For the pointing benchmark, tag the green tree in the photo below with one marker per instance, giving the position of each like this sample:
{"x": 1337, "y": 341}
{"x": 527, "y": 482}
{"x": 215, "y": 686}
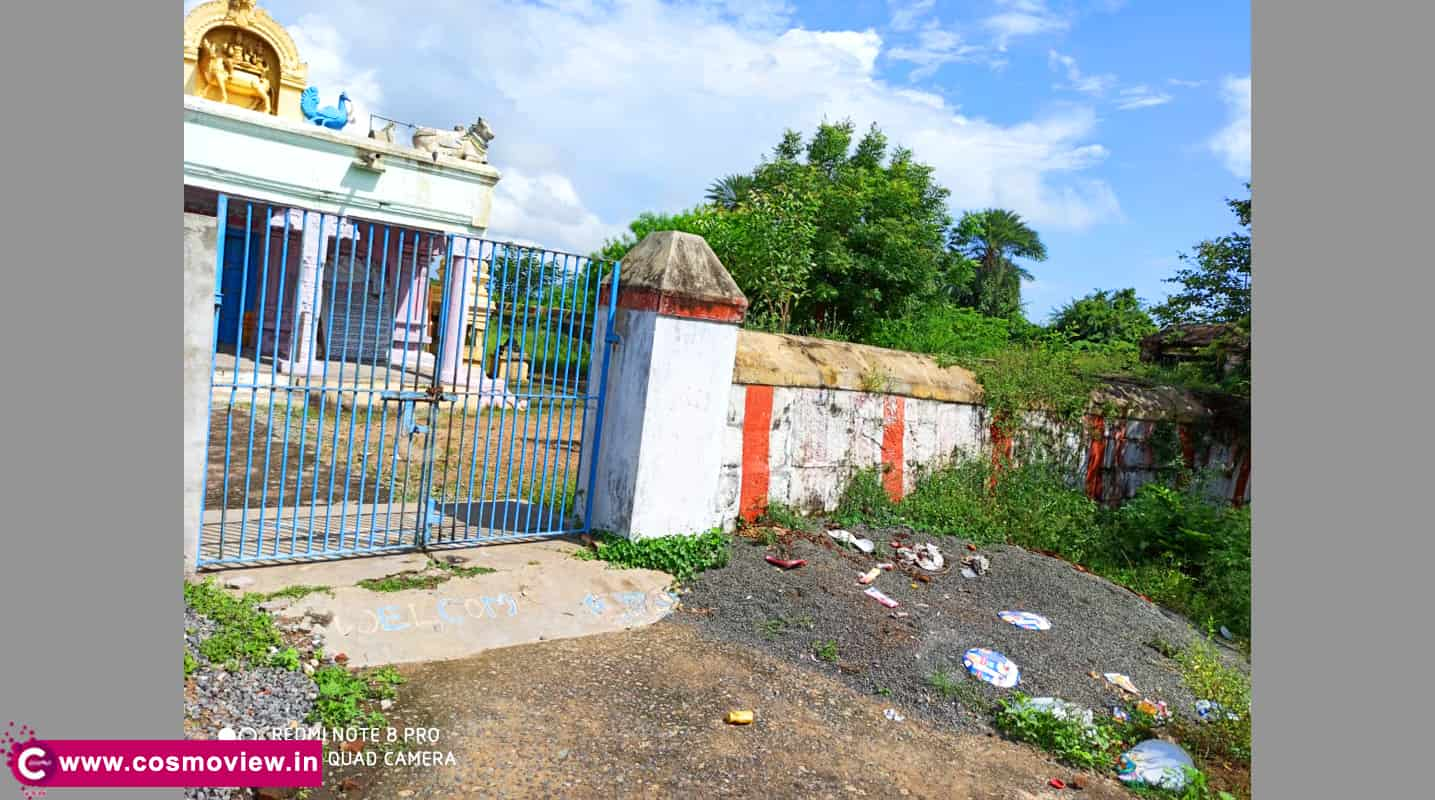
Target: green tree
{"x": 827, "y": 232}
{"x": 1103, "y": 317}
{"x": 1216, "y": 284}
{"x": 728, "y": 192}
{"x": 992, "y": 239}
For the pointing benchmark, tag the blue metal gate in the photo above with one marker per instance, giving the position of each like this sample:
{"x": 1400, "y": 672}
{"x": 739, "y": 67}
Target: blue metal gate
{"x": 376, "y": 388}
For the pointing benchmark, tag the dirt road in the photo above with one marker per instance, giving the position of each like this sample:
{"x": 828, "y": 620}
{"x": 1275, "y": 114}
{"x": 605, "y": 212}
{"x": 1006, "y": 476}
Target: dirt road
{"x": 639, "y": 714}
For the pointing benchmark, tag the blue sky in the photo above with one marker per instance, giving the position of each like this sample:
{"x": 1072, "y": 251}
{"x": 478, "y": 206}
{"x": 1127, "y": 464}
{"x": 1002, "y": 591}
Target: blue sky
{"x": 1116, "y": 127}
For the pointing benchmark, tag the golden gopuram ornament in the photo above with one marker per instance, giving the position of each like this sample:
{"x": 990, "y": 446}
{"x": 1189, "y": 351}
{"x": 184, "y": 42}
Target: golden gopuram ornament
{"x": 235, "y": 53}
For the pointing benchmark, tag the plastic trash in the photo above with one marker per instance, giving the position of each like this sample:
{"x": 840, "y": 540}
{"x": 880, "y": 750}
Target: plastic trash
{"x": 786, "y": 563}
{"x": 739, "y": 718}
{"x": 877, "y": 595}
{"x": 992, "y": 667}
{"x": 846, "y": 537}
{"x": 1060, "y": 709}
{"x": 869, "y": 576}
{"x": 892, "y": 714}
{"x": 967, "y": 572}
{"x": 926, "y": 556}
{"x": 1120, "y": 714}
{"x": 1156, "y": 763}
{"x": 1056, "y": 783}
{"x": 1226, "y": 633}
{"x": 1122, "y": 682}
{"x": 978, "y": 564}
{"x": 1157, "y": 709}
{"x": 1208, "y": 711}
{"x": 1026, "y": 620}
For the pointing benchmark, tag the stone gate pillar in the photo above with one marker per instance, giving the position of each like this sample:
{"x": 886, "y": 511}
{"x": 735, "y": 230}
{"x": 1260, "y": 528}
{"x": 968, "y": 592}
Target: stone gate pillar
{"x": 658, "y": 463}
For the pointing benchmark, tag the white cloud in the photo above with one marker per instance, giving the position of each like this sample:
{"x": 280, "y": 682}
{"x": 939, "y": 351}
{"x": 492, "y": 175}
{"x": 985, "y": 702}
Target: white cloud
{"x": 1023, "y": 18}
{"x": 608, "y": 108}
{"x": 906, "y": 13}
{"x": 935, "y": 47}
{"x": 1185, "y": 84}
{"x": 1095, "y": 85}
{"x": 1141, "y": 96}
{"x": 1233, "y": 142}
{"x": 543, "y": 209}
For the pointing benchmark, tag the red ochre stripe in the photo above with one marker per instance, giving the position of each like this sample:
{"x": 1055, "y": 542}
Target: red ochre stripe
{"x": 756, "y": 426}
{"x": 1095, "y": 455}
{"x": 894, "y": 415}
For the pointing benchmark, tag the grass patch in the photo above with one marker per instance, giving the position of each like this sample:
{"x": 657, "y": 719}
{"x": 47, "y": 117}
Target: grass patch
{"x": 190, "y": 665}
{"x": 784, "y": 516}
{"x": 462, "y": 572}
{"x": 403, "y": 581}
{"x": 344, "y": 696}
{"x": 865, "y": 500}
{"x": 683, "y": 557}
{"x": 297, "y": 592}
{"x": 826, "y": 651}
{"x": 1092, "y": 746}
{"x": 244, "y": 635}
{"x": 956, "y": 686}
{"x": 1208, "y": 678}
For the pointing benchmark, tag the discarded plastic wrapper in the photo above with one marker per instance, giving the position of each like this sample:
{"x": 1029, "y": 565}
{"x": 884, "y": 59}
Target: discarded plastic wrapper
{"x": 892, "y": 714}
{"x": 1208, "y": 710}
{"x": 871, "y": 575}
{"x": 1122, "y": 682}
{"x": 1120, "y": 713}
{"x": 1155, "y": 763}
{"x": 873, "y": 593}
{"x": 846, "y": 537}
{"x": 978, "y": 564}
{"x": 1025, "y": 620}
{"x": 926, "y": 556}
{"x": 886, "y": 566}
{"x": 992, "y": 667}
{"x": 1060, "y": 709}
{"x": 967, "y": 572}
{"x": 786, "y": 563}
{"x": 739, "y": 717}
{"x": 1157, "y": 710}
{"x": 1057, "y": 783}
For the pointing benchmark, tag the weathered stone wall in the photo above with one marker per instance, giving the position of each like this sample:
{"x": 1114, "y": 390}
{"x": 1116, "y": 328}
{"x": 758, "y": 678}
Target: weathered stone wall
{"x": 805, "y": 414}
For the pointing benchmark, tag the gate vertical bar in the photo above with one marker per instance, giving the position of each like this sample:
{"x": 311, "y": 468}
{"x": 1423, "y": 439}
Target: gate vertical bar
{"x": 609, "y": 339}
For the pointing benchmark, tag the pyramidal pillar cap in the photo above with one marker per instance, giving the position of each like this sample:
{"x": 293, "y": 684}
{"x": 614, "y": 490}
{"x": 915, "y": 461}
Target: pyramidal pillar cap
{"x": 677, "y": 274}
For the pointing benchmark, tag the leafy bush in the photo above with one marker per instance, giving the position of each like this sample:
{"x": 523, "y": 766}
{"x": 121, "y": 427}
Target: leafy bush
{"x": 1189, "y": 547}
{"x": 1104, "y": 318}
{"x": 1071, "y": 740}
{"x": 1209, "y": 678}
{"x": 243, "y": 635}
{"x": 680, "y": 556}
{"x": 945, "y": 330}
{"x": 343, "y": 695}
{"x": 1181, "y": 548}
{"x": 864, "y": 500}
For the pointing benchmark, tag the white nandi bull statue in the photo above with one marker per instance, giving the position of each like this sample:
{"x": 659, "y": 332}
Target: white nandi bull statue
{"x": 469, "y": 144}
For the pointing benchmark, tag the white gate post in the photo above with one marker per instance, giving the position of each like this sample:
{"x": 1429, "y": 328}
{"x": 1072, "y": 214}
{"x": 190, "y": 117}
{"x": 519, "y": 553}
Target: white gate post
{"x": 669, "y": 378}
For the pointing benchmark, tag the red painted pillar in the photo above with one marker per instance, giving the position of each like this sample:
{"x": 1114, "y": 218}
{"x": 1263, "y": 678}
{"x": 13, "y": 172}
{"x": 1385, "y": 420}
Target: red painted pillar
{"x": 756, "y": 428}
{"x": 894, "y": 429}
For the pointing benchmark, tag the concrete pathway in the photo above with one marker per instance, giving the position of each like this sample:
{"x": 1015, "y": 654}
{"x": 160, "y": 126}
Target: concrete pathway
{"x": 538, "y": 591}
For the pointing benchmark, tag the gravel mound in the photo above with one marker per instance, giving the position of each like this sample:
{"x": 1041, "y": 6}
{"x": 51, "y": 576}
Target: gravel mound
{"x": 1096, "y": 626}
{"x": 214, "y": 698}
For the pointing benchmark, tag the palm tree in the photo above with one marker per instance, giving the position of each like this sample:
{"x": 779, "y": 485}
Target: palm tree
{"x": 992, "y": 238}
{"x": 729, "y": 192}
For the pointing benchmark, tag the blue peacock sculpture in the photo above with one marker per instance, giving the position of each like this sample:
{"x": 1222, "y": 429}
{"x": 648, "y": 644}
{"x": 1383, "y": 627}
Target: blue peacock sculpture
{"x": 333, "y": 117}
